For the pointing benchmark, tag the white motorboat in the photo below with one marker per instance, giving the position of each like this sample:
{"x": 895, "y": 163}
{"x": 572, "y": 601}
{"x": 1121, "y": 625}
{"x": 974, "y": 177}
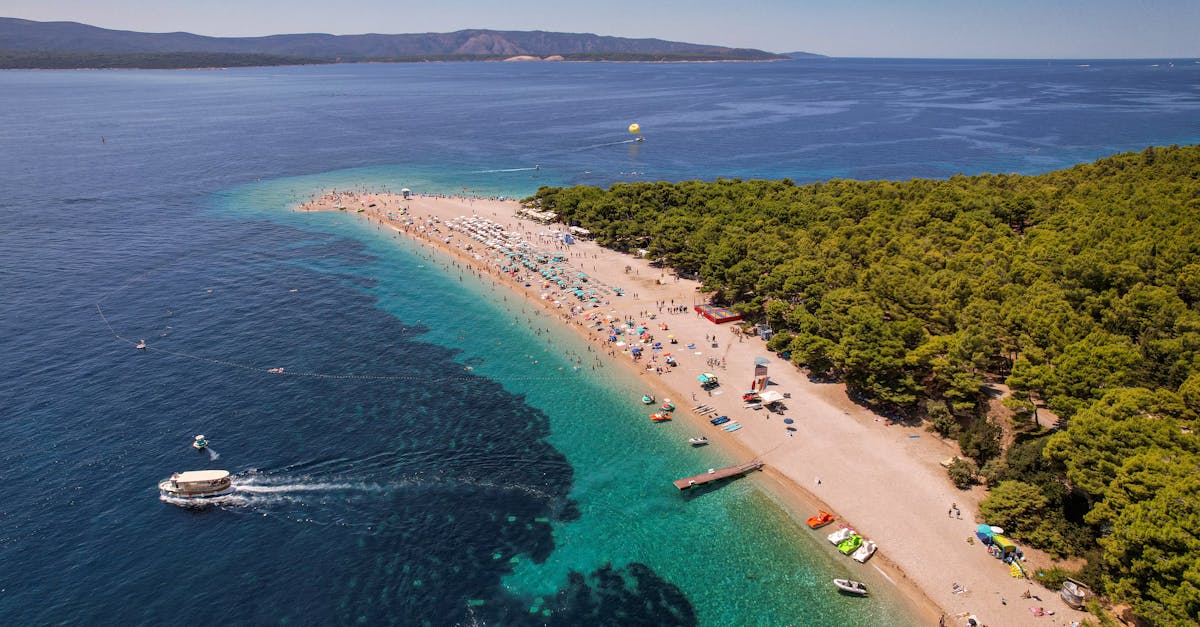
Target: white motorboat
{"x": 864, "y": 552}
{"x": 700, "y": 441}
{"x": 200, "y": 443}
{"x": 850, "y": 586}
{"x": 141, "y": 345}
{"x": 196, "y": 484}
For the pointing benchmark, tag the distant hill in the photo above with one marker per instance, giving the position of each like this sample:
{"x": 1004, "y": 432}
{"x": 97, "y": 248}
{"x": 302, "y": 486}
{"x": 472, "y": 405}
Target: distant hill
{"x": 25, "y": 36}
{"x": 804, "y": 55}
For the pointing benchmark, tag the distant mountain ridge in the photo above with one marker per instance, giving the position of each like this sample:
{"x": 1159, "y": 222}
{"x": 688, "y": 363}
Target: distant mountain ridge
{"x": 20, "y": 35}
{"x": 804, "y": 55}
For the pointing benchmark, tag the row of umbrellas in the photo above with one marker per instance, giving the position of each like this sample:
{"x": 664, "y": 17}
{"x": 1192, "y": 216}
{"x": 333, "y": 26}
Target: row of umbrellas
{"x": 521, "y": 254}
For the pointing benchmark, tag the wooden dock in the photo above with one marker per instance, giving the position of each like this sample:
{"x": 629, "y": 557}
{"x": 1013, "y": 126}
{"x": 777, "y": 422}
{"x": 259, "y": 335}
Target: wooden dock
{"x": 717, "y": 474}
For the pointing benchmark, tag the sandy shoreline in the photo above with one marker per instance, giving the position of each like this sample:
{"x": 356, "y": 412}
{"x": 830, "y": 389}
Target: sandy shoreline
{"x": 884, "y": 480}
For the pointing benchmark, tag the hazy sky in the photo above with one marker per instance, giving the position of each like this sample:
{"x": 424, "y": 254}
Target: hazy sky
{"x": 860, "y": 28}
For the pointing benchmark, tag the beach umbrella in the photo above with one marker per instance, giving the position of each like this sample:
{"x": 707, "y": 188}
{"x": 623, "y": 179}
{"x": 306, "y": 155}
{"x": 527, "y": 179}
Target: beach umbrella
{"x": 985, "y": 530}
{"x": 761, "y": 361}
{"x": 788, "y": 421}
{"x": 996, "y": 530}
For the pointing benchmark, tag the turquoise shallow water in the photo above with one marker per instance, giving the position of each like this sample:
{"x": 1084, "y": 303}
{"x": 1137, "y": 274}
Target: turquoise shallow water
{"x": 734, "y": 552}
{"x": 404, "y": 488}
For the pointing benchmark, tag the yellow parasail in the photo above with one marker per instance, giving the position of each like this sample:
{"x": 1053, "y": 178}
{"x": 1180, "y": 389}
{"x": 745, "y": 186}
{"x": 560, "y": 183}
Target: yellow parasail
{"x": 635, "y": 128}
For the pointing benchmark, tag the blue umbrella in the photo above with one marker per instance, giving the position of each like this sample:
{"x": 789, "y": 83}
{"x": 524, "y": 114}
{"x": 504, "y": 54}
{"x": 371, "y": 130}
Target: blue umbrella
{"x": 788, "y": 421}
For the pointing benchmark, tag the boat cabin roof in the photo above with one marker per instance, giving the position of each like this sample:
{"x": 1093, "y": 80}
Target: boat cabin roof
{"x": 201, "y": 475}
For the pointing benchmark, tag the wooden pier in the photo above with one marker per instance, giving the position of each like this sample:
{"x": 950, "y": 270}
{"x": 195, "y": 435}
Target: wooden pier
{"x": 717, "y": 474}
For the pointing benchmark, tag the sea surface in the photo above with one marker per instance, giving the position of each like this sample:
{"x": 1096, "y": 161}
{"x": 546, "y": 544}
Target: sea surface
{"x": 434, "y": 454}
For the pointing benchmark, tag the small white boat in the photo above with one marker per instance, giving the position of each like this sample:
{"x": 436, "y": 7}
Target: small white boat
{"x": 196, "y": 484}
{"x": 141, "y": 345}
{"x": 850, "y": 586}
{"x": 840, "y": 535}
{"x": 200, "y": 443}
{"x": 647, "y": 399}
{"x": 864, "y": 552}
{"x": 700, "y": 441}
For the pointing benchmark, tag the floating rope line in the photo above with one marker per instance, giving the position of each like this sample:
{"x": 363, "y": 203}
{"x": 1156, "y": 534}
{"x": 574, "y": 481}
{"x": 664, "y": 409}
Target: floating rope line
{"x": 318, "y": 375}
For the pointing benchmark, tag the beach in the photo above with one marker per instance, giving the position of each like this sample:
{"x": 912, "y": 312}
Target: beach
{"x": 880, "y": 478}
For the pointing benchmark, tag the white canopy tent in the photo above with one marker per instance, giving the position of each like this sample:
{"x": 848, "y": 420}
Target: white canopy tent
{"x": 770, "y": 397}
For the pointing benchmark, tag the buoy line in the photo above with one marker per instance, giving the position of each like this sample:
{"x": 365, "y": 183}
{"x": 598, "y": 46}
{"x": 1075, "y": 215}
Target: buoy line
{"x": 317, "y": 375}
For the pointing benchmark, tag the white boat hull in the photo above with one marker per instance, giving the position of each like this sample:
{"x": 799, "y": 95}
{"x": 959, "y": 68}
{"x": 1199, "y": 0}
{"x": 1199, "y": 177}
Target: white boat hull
{"x": 164, "y": 489}
{"x": 202, "y": 484}
{"x": 850, "y": 587}
{"x": 838, "y": 536}
{"x": 864, "y": 552}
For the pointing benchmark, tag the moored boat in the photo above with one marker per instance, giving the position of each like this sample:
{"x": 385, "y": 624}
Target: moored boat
{"x": 838, "y": 536}
{"x": 850, "y": 586}
{"x": 700, "y": 441}
{"x": 196, "y": 484}
{"x": 820, "y": 520}
{"x": 647, "y": 399}
{"x": 200, "y": 443}
{"x": 660, "y": 417}
{"x": 850, "y": 545}
{"x": 864, "y": 552}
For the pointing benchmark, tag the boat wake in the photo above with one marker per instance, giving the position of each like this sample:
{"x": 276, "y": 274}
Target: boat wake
{"x": 212, "y": 455}
{"x": 297, "y": 488}
{"x": 228, "y": 499}
{"x": 594, "y": 146}
{"x": 331, "y": 501}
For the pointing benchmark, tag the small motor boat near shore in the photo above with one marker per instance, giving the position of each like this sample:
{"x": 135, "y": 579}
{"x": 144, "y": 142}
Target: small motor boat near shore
{"x": 196, "y": 484}
{"x": 660, "y": 417}
{"x": 647, "y": 399}
{"x": 850, "y": 586}
{"x": 200, "y": 443}
{"x": 700, "y": 441}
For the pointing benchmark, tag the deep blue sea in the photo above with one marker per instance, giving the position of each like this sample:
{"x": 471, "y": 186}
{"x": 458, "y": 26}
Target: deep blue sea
{"x": 445, "y": 464}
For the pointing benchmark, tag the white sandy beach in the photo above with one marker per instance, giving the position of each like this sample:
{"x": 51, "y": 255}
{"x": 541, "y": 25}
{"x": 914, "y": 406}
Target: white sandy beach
{"x": 883, "y": 480}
